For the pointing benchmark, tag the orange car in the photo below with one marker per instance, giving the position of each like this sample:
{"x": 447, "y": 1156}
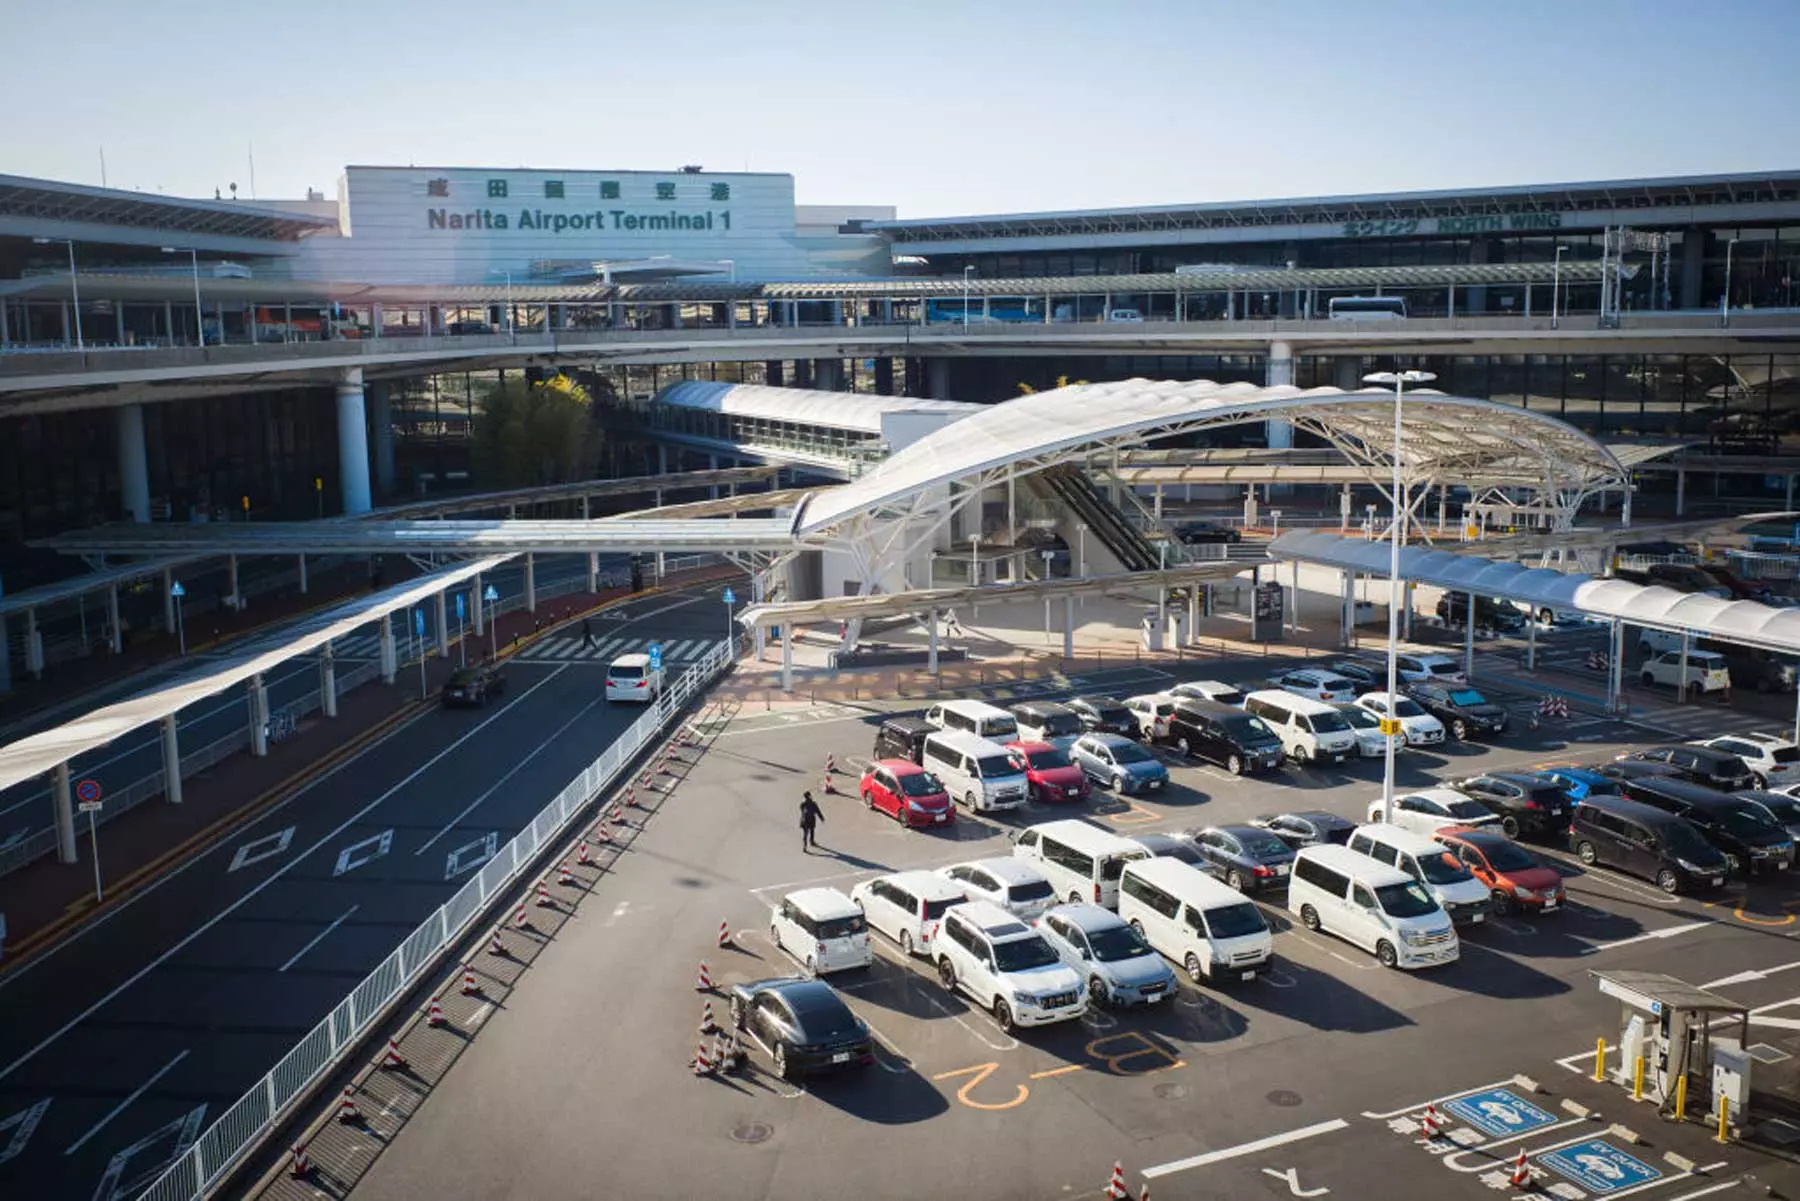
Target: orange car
{"x": 1514, "y": 877}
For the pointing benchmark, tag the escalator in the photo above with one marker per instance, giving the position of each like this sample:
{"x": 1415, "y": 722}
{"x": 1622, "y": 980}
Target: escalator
{"x": 1102, "y": 518}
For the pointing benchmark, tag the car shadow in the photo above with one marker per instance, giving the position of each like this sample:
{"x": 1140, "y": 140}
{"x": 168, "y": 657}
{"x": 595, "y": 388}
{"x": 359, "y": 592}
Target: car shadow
{"x": 1484, "y": 970}
{"x": 881, "y": 1096}
{"x": 1318, "y": 999}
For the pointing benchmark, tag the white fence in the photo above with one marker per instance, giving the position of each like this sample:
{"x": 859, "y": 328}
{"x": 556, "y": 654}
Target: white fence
{"x": 243, "y": 1126}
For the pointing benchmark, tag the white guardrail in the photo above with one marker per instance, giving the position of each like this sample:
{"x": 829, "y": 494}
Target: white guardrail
{"x": 243, "y": 1125}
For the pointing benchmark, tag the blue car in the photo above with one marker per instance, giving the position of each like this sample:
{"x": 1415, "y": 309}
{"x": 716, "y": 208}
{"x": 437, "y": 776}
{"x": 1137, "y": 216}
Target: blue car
{"x": 1579, "y": 783}
{"x": 1117, "y": 762}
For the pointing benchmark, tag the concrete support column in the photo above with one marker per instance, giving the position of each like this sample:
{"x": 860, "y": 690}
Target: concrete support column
{"x": 662, "y": 460}
{"x": 328, "y": 681}
{"x": 62, "y": 802}
{"x": 231, "y": 581}
{"x": 257, "y": 693}
{"x": 884, "y": 366}
{"x": 937, "y": 378}
{"x": 1693, "y": 265}
{"x": 34, "y": 646}
{"x": 302, "y": 575}
{"x": 389, "y": 661}
{"x": 1680, "y": 491}
{"x": 530, "y": 583}
{"x": 1469, "y": 640}
{"x": 1280, "y": 373}
{"x": 1531, "y": 643}
{"x": 787, "y": 656}
{"x": 1406, "y": 615}
{"x": 134, "y": 465}
{"x": 171, "y": 757}
{"x": 931, "y": 651}
{"x": 115, "y": 640}
{"x": 443, "y": 625}
{"x": 168, "y": 599}
{"x": 593, "y": 584}
{"x": 381, "y": 425}
{"x": 353, "y": 441}
{"x": 479, "y": 606}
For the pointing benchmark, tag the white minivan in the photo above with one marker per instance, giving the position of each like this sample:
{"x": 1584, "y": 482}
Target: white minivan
{"x": 908, "y": 907}
{"x": 1083, "y": 862}
{"x": 823, "y": 929}
{"x": 975, "y": 717}
{"x": 1378, "y": 908}
{"x": 1429, "y": 862}
{"x": 1209, "y": 928}
{"x": 631, "y": 678}
{"x": 1310, "y": 731}
{"x": 975, "y": 772}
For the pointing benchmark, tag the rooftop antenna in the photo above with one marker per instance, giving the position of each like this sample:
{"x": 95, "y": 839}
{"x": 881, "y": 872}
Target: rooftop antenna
{"x": 252, "y": 153}
{"x": 103, "y": 166}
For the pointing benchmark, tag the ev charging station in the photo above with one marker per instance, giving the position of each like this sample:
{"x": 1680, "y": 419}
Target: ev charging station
{"x": 1666, "y": 1033}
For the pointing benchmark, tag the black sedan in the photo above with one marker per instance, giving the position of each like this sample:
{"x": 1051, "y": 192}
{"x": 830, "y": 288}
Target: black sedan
{"x": 802, "y": 1024}
{"x": 1362, "y": 676}
{"x": 1196, "y": 533}
{"x": 1464, "y": 711}
{"x": 1250, "y": 859}
{"x": 1698, "y": 764}
{"x": 473, "y": 686}
{"x": 1103, "y": 715}
{"x": 1308, "y": 828}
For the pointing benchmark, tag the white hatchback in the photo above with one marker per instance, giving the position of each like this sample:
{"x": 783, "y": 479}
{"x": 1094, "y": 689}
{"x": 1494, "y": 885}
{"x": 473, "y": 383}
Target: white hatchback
{"x": 908, "y": 907}
{"x": 1012, "y": 884}
{"x": 1151, "y": 712}
{"x": 1432, "y": 809}
{"x": 822, "y": 928}
{"x": 1419, "y": 727}
{"x": 1429, "y": 669}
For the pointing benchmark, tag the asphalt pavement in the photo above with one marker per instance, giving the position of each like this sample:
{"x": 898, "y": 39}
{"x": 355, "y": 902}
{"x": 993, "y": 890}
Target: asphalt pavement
{"x": 1298, "y": 1084}
{"x": 25, "y": 808}
{"x": 124, "y": 1042}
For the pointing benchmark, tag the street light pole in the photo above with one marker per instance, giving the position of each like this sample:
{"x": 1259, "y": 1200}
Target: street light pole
{"x": 1556, "y": 289}
{"x": 968, "y": 267}
{"x": 1390, "y": 721}
{"x": 199, "y": 313}
{"x": 74, "y": 284}
{"x": 1725, "y": 298}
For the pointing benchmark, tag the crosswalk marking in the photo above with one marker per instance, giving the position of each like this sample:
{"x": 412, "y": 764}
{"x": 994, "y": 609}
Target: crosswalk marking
{"x": 605, "y": 650}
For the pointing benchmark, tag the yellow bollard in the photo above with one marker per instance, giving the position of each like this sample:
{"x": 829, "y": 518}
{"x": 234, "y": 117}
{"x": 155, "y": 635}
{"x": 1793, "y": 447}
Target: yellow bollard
{"x": 1600, "y": 1059}
{"x": 1637, "y": 1080}
{"x": 1724, "y": 1135}
{"x": 1681, "y": 1098}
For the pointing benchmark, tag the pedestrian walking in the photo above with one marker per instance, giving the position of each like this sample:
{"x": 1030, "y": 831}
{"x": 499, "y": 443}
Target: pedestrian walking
{"x": 587, "y": 635}
{"x": 810, "y": 816}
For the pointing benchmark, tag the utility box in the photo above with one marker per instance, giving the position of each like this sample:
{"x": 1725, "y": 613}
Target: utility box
{"x": 1266, "y": 613}
{"x": 1178, "y": 626}
{"x": 1730, "y": 1076}
{"x": 1153, "y": 635}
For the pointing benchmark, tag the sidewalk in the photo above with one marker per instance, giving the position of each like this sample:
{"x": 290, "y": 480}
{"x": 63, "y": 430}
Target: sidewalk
{"x": 46, "y": 900}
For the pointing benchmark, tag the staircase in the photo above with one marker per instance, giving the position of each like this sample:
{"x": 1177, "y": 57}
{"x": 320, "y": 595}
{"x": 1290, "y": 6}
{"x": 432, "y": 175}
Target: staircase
{"x": 1102, "y": 518}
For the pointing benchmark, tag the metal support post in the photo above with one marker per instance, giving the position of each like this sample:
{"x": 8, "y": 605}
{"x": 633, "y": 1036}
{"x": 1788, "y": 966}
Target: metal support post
{"x": 1531, "y": 643}
{"x": 931, "y": 653}
{"x": 1346, "y": 620}
{"x": 258, "y": 696}
{"x": 231, "y": 582}
{"x": 787, "y": 656}
{"x": 63, "y": 803}
{"x": 476, "y": 592}
{"x": 302, "y": 575}
{"x": 168, "y": 594}
{"x": 1681, "y": 680}
{"x": 1469, "y": 640}
{"x": 389, "y": 662}
{"x": 328, "y": 680}
{"x": 115, "y": 639}
{"x": 531, "y": 583}
{"x": 593, "y": 566}
{"x": 1069, "y": 626}
{"x": 171, "y": 757}
{"x": 443, "y": 625}
{"x": 1615, "y": 668}
{"x": 1406, "y": 614}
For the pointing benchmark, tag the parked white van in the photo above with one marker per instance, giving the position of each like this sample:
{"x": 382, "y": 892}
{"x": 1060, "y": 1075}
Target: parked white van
{"x": 1083, "y": 862}
{"x": 1310, "y": 731}
{"x": 823, "y": 929}
{"x": 1378, "y": 908}
{"x": 975, "y": 717}
{"x": 976, "y": 772}
{"x": 1209, "y": 928}
{"x": 1429, "y": 862}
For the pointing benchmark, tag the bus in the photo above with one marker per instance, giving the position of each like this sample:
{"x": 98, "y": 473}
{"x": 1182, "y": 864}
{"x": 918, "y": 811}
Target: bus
{"x": 1367, "y": 308}
{"x": 1010, "y": 309}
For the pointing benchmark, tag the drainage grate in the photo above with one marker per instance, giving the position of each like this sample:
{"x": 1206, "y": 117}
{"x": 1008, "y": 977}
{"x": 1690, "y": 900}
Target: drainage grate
{"x": 1171, "y": 1092}
{"x": 751, "y": 1132}
{"x": 1286, "y": 1098}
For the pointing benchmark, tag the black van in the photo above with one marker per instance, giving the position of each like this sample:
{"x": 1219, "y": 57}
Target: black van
{"x": 903, "y": 738}
{"x": 1610, "y": 831}
{"x": 1698, "y": 764}
{"x": 1239, "y": 742}
{"x": 1750, "y": 839}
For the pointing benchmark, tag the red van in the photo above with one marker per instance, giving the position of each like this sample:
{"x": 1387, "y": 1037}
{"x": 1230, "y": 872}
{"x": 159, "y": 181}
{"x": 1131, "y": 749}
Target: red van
{"x": 906, "y": 792}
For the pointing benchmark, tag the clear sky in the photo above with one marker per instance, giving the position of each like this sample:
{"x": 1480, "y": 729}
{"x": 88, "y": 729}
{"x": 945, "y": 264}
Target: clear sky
{"x": 937, "y": 106}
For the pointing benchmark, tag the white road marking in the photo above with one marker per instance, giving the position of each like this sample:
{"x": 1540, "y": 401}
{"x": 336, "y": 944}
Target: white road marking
{"x": 366, "y": 851}
{"x": 1500, "y": 1142}
{"x": 1747, "y": 977}
{"x": 23, "y": 1125}
{"x": 185, "y": 1129}
{"x": 209, "y": 923}
{"x": 1568, "y": 1062}
{"x": 618, "y": 912}
{"x": 316, "y": 939}
{"x": 1250, "y": 1148}
{"x": 120, "y": 1107}
{"x": 1708, "y": 1190}
{"x": 481, "y": 850}
{"x": 514, "y": 770}
{"x": 259, "y": 849}
{"x": 1647, "y": 936}
{"x": 481, "y": 1014}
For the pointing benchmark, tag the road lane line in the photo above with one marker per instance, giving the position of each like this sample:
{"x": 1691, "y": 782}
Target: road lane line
{"x": 120, "y": 1107}
{"x": 1648, "y": 936}
{"x": 498, "y": 784}
{"x": 318, "y": 938}
{"x": 120, "y": 989}
{"x": 1251, "y": 1148}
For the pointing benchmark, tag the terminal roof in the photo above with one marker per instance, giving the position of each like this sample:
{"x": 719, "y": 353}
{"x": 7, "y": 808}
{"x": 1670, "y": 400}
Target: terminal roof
{"x": 44, "y": 201}
{"x": 855, "y": 411}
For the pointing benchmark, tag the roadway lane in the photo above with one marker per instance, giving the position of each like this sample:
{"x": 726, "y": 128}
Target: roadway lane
{"x": 164, "y": 1013}
{"x": 25, "y": 808}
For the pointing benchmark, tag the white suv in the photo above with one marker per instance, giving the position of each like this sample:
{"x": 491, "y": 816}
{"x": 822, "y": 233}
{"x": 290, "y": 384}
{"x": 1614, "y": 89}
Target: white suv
{"x": 1432, "y": 809}
{"x": 1010, "y": 884}
{"x": 1428, "y": 669}
{"x": 1007, "y": 968}
{"x": 1774, "y": 760}
{"x": 1706, "y": 672}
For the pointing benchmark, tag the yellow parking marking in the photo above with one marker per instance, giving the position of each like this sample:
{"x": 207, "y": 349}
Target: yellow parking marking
{"x": 1135, "y": 815}
{"x": 981, "y": 1072}
{"x": 1143, "y": 1047}
{"x": 1786, "y": 919}
{"x": 1062, "y": 1071}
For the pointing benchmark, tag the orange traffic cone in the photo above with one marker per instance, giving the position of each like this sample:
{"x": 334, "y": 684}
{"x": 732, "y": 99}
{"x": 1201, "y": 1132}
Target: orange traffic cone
{"x": 828, "y": 786}
{"x": 391, "y": 1058}
{"x": 469, "y": 986}
{"x": 299, "y": 1165}
{"x": 707, "y": 1024}
{"x": 496, "y": 947}
{"x": 724, "y": 933}
{"x": 1432, "y": 1124}
{"x": 520, "y": 919}
{"x": 564, "y": 876}
{"x": 702, "y": 1065}
{"x": 704, "y": 982}
{"x": 583, "y": 856}
{"x": 543, "y": 895}
{"x": 1521, "y": 1173}
{"x": 830, "y": 764}
{"x": 434, "y": 1013}
{"x": 346, "y": 1110}
{"x": 1115, "y": 1189}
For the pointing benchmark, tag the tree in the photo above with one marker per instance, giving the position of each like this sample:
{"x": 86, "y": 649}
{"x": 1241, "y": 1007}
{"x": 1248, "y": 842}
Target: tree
{"x": 533, "y": 433}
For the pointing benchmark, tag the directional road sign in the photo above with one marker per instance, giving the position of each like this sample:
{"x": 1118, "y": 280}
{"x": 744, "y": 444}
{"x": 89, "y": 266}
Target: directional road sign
{"x": 1499, "y": 1112}
{"x": 730, "y": 597}
{"x": 491, "y": 595}
{"x": 1599, "y": 1167}
{"x": 176, "y": 590}
{"x": 656, "y": 656}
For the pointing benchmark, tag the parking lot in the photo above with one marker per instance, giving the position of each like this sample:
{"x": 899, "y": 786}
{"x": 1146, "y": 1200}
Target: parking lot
{"x": 1243, "y": 1090}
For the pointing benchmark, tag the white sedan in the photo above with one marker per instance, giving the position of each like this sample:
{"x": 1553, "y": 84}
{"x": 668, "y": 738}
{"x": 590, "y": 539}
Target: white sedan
{"x": 1420, "y": 727}
{"x": 1431, "y": 809}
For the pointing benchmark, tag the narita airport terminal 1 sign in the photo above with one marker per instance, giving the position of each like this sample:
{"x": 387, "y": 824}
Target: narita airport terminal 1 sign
{"x": 541, "y": 221}
{"x": 683, "y": 203}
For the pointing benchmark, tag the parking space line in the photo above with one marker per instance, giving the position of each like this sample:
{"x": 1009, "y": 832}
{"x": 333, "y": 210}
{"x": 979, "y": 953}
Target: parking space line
{"x": 1461, "y": 1092}
{"x": 1647, "y": 936}
{"x": 1250, "y": 1148}
{"x": 1062, "y": 1071}
{"x": 1501, "y": 1142}
{"x": 1703, "y": 1192}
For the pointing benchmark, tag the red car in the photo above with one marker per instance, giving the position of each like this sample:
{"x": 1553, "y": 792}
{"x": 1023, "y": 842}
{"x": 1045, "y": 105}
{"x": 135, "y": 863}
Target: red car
{"x": 1516, "y": 880}
{"x": 1053, "y": 777}
{"x": 906, "y": 792}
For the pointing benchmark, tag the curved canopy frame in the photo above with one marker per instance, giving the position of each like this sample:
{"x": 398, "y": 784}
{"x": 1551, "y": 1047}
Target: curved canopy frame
{"x": 1444, "y": 440}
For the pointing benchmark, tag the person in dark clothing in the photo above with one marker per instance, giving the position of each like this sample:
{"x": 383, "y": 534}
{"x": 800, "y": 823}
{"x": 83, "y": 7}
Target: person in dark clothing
{"x": 810, "y": 816}
{"x": 587, "y": 635}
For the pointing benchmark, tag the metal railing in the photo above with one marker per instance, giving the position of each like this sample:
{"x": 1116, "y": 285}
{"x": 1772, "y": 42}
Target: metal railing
{"x": 242, "y": 1127}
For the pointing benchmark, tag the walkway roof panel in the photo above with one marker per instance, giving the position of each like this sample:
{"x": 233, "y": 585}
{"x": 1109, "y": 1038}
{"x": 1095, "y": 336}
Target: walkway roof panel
{"x": 857, "y": 412}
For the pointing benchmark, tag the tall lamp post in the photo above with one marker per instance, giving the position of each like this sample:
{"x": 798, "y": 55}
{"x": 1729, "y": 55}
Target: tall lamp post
{"x": 967, "y": 268}
{"x": 1556, "y": 289}
{"x": 74, "y": 284}
{"x": 1390, "y": 723}
{"x": 1725, "y": 297}
{"x": 199, "y": 313}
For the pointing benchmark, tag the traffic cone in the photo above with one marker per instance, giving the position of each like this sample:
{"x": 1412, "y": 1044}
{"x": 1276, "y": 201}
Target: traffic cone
{"x": 1432, "y": 1123}
{"x": 707, "y": 1024}
{"x": 520, "y": 919}
{"x": 704, "y": 982}
{"x": 1116, "y": 1189}
{"x": 631, "y": 797}
{"x": 830, "y": 764}
{"x": 496, "y": 947}
{"x": 647, "y": 780}
{"x": 1521, "y": 1173}
{"x": 564, "y": 876}
{"x": 543, "y": 895}
{"x": 722, "y": 1057}
{"x": 469, "y": 987}
{"x": 828, "y": 786}
{"x": 662, "y": 767}
{"x": 583, "y": 856}
{"x": 702, "y": 1065}
{"x": 618, "y": 815}
{"x": 299, "y": 1165}
{"x": 724, "y": 933}
{"x": 601, "y": 835}
{"x": 1144, "y": 1193}
{"x": 391, "y": 1058}
{"x": 434, "y": 1013}
{"x": 347, "y": 1111}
